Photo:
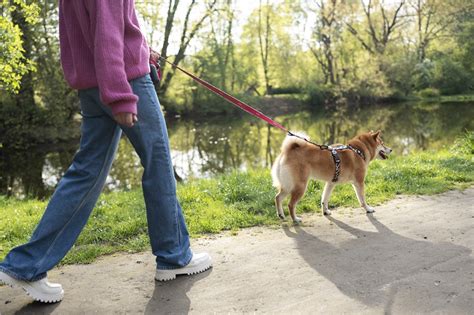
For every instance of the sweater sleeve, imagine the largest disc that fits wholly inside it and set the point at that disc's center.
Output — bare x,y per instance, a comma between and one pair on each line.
107,26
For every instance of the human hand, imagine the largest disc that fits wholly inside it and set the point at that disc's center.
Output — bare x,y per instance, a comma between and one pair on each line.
154,57
126,119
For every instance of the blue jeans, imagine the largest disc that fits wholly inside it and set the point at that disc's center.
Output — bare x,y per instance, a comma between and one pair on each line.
78,191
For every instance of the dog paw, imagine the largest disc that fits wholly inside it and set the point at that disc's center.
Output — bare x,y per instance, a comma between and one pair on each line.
327,212
370,210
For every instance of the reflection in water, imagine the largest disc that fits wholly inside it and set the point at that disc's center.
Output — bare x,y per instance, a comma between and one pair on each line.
206,148
33,172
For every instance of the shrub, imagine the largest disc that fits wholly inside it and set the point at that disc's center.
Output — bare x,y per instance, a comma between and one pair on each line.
429,92
320,95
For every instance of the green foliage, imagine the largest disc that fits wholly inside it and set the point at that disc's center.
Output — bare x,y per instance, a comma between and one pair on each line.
465,143
45,109
237,200
423,74
320,95
13,64
227,53
459,80
429,93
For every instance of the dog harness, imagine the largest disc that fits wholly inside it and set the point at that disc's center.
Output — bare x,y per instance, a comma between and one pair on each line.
337,159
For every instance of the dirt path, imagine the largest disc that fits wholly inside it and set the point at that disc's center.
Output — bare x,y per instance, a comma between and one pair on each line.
413,256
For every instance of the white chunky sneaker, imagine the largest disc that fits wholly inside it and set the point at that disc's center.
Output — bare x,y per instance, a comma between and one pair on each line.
40,290
200,262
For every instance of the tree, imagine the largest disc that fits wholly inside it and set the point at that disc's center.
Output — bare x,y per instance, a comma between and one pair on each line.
16,20
432,20
189,31
380,29
264,34
222,43
326,31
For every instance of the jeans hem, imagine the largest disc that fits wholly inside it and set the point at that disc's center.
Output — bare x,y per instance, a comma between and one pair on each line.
188,260
21,278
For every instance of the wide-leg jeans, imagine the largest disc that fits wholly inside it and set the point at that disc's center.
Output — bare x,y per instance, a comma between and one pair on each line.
78,191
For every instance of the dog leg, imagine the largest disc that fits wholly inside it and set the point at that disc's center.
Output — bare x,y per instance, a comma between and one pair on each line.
296,195
328,188
359,190
278,203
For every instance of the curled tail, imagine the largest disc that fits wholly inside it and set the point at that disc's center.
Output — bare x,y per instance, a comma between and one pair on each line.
292,142
280,176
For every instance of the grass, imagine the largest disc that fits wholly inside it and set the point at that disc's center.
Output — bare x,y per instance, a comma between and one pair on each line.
236,200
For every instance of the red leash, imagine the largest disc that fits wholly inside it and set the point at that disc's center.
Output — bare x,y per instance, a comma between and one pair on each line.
249,109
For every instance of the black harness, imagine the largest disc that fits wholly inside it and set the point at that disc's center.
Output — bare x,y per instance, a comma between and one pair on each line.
337,159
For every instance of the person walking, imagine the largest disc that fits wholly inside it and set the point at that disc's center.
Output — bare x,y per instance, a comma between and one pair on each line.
105,56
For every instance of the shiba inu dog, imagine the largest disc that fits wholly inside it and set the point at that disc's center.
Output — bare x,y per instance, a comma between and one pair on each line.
300,161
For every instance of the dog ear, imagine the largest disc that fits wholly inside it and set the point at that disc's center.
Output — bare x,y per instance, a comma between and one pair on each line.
375,135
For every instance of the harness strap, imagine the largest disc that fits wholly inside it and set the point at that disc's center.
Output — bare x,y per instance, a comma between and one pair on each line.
337,162
358,151
337,159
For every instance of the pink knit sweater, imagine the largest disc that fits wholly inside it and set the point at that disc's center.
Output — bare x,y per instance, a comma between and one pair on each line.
102,46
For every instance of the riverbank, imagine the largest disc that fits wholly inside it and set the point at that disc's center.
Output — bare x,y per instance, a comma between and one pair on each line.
234,201
413,256
282,104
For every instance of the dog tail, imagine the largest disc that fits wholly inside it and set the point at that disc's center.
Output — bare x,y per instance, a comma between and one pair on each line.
292,142
279,172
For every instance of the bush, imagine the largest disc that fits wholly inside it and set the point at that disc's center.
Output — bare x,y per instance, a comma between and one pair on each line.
423,74
284,90
320,95
429,92
452,78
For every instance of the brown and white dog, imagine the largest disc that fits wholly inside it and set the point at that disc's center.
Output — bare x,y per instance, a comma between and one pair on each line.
300,161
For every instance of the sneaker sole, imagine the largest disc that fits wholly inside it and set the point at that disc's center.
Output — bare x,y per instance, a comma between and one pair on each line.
30,291
166,275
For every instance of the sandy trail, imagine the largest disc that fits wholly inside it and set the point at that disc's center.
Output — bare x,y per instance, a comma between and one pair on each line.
414,255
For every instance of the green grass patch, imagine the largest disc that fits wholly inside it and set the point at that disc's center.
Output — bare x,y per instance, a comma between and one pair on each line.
236,200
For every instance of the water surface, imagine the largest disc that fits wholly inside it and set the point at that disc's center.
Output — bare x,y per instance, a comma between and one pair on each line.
206,147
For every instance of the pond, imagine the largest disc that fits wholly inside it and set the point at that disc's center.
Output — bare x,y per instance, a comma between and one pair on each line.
206,147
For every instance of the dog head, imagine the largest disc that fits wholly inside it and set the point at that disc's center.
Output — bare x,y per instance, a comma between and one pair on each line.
372,141
382,151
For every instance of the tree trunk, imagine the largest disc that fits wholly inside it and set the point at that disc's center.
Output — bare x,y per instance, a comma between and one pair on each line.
172,7
264,43
185,40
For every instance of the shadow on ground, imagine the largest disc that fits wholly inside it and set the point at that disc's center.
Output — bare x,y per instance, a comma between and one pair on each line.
171,297
373,267
37,308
